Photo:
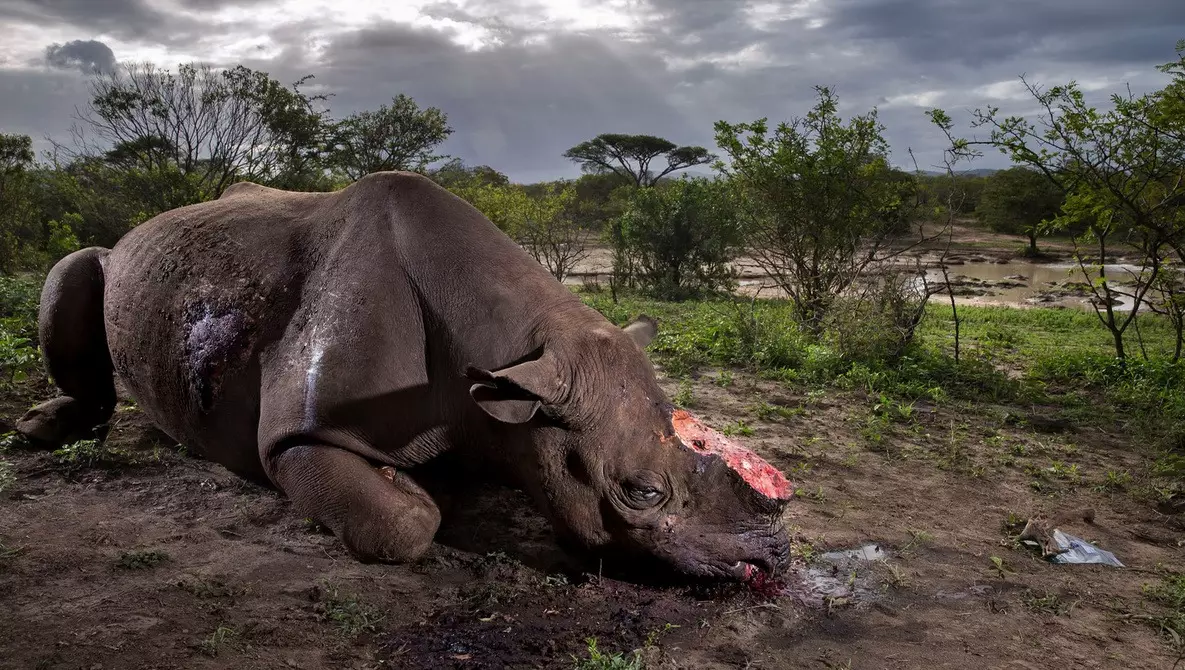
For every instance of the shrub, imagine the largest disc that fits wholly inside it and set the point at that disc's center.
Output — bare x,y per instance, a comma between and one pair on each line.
677,239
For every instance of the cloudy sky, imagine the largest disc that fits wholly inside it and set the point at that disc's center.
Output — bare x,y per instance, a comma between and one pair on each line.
523,80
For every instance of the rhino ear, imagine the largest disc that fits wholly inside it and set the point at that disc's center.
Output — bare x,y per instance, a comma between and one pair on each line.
643,329
514,394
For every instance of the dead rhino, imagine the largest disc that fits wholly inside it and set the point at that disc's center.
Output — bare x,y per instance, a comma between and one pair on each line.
329,343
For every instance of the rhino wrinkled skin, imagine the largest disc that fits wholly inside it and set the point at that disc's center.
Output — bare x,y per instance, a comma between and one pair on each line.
327,344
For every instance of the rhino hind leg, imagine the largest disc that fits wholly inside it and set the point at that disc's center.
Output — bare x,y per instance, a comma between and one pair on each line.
74,344
380,515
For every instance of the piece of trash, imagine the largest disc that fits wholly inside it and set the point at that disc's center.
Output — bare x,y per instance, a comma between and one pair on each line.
1060,547
1038,532
1076,550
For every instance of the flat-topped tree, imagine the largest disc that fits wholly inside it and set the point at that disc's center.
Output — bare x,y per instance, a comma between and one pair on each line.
631,155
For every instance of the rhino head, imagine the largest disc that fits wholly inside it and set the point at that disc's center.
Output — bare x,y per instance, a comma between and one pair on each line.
624,474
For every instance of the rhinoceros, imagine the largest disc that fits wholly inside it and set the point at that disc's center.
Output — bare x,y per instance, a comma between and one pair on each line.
327,344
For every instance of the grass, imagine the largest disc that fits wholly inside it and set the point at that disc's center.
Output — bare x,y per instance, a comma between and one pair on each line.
1048,603
7,475
599,660
350,616
83,453
19,356
141,560
1169,593
1061,359
219,638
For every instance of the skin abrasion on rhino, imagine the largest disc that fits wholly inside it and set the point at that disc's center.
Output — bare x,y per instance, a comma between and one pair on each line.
333,345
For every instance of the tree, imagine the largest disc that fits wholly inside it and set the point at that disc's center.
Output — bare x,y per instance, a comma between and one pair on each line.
399,136
1017,201
630,157
819,201
201,129
680,237
17,212
455,173
542,223
1123,173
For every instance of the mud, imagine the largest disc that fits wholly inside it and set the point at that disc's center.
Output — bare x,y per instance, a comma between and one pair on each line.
150,558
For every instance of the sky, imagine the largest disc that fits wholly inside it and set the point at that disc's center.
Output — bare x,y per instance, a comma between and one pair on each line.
523,80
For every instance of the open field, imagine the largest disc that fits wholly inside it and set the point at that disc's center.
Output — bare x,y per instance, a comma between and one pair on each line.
135,555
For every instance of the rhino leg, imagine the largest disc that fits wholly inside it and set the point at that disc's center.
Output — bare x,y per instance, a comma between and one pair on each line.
379,515
74,344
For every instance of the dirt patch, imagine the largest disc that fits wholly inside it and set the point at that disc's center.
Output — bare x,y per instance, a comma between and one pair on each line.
148,558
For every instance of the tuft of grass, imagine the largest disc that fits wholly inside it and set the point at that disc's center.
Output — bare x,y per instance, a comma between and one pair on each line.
724,379
1169,592
83,453
599,660
918,538
220,637
766,412
207,588
351,616
141,560
1002,567
7,475
7,552
738,427
1049,603
684,397
1114,481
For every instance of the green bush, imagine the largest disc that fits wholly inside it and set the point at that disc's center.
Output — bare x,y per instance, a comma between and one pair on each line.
677,239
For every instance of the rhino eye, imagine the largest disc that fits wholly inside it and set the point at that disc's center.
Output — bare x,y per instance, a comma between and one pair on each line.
642,492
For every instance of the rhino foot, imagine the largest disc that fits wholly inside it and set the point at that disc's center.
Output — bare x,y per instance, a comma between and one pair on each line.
60,421
380,515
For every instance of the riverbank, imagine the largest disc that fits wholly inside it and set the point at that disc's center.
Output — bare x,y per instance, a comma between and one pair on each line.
985,268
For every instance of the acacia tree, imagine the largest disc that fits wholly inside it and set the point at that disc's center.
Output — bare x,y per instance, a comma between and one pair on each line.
631,156
399,136
820,201
1017,201
1123,172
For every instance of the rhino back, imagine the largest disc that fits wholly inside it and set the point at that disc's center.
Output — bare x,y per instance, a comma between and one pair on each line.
211,305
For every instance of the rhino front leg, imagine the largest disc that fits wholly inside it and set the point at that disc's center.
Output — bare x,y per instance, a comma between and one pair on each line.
378,514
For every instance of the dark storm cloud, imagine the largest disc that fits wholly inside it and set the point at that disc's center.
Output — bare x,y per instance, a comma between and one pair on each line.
519,103
133,20
89,56
980,34
118,17
517,107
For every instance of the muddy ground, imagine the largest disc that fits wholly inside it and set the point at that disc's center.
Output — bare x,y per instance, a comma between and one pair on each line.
153,559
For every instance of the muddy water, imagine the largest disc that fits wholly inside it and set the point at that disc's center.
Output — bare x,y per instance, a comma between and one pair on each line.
1021,284
1013,283
837,576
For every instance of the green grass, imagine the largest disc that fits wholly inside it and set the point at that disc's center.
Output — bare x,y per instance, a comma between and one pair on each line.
141,560
1062,358
350,616
599,660
1170,594
219,638
83,453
